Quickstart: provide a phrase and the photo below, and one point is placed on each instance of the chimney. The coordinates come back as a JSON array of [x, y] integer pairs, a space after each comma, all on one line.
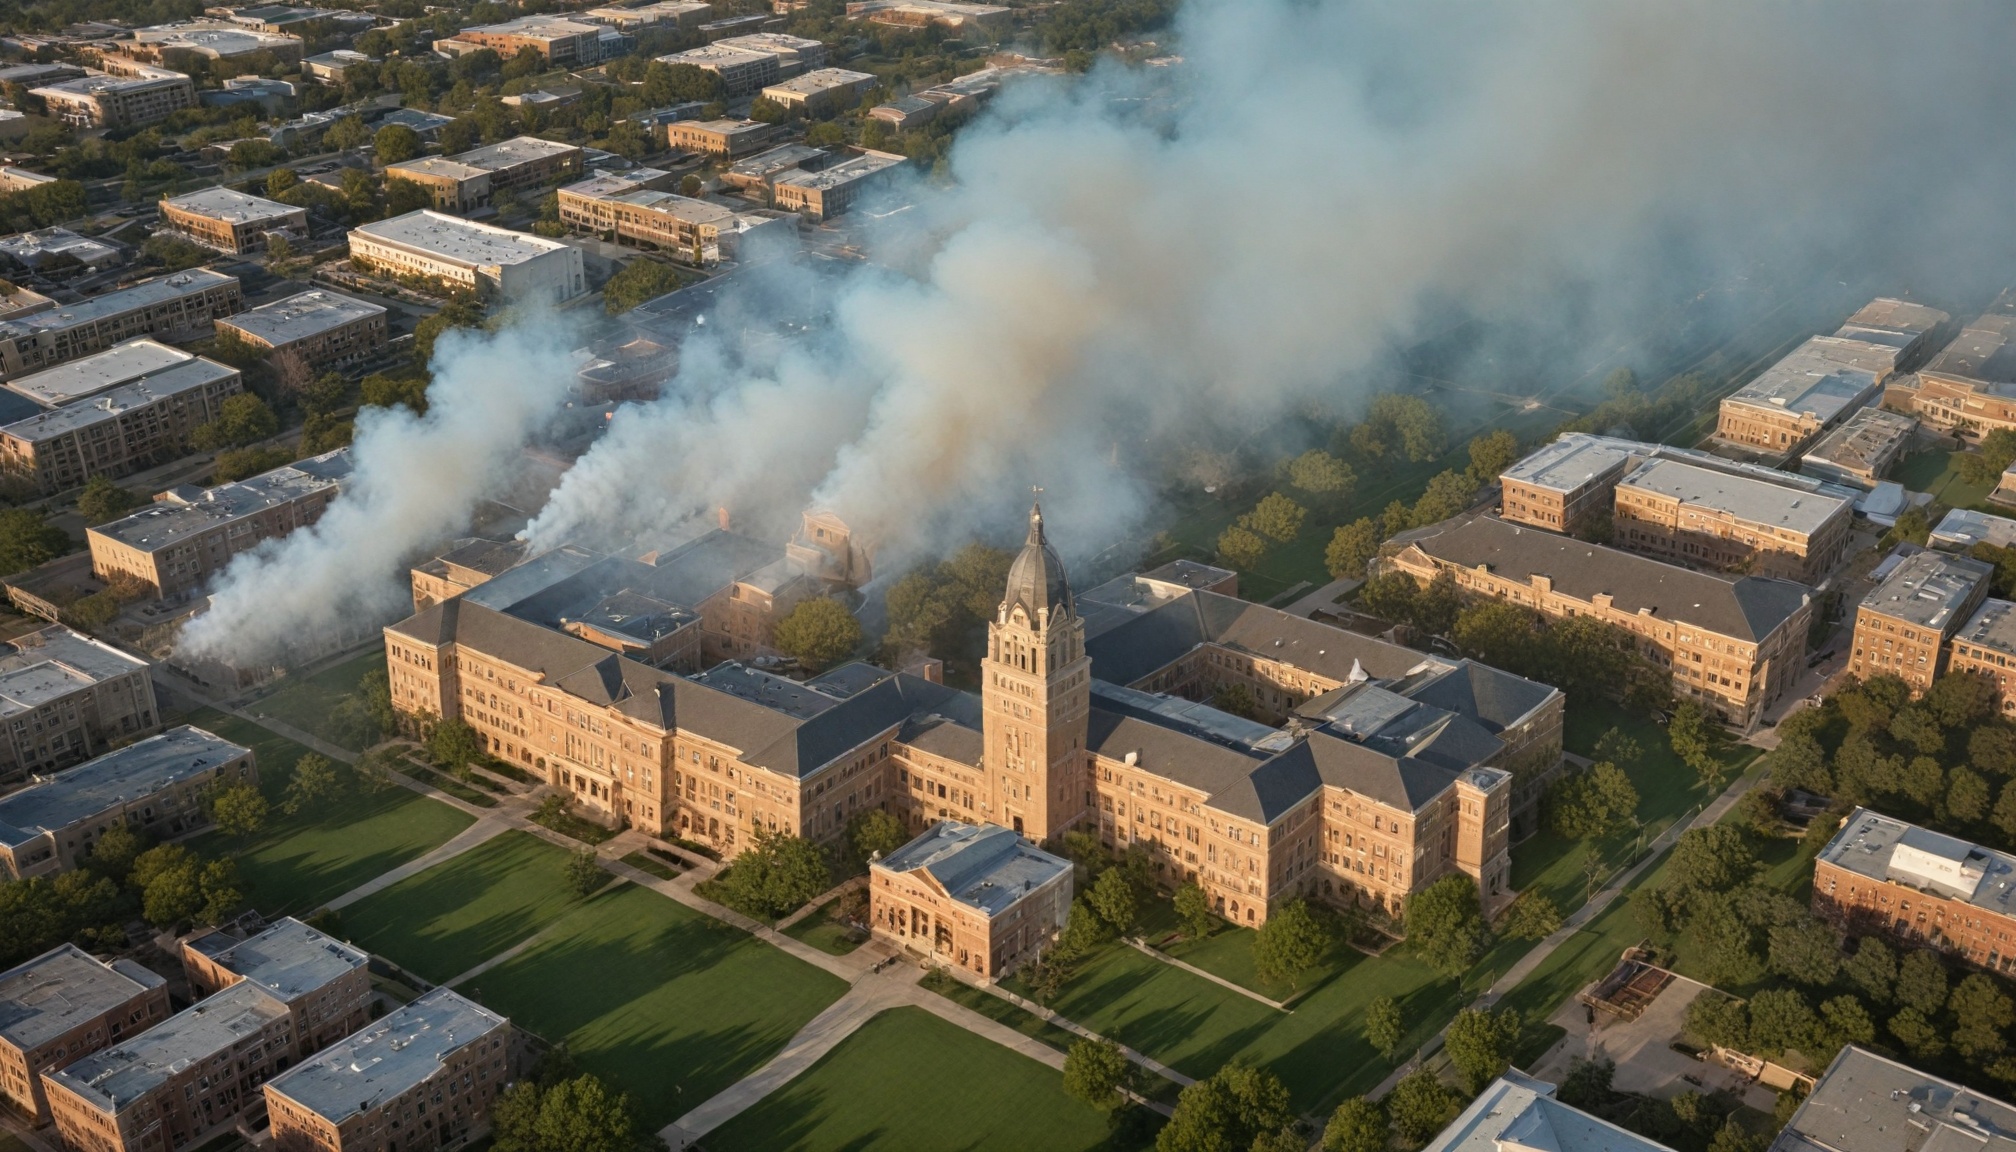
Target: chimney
[[721, 514]]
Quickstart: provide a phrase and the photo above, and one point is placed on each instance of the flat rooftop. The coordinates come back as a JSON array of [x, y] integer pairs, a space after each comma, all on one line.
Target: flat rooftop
[[1863, 440], [728, 127], [1820, 379], [459, 241], [443, 166], [98, 84], [166, 523], [134, 297], [31, 247], [288, 960], [717, 55], [302, 315], [983, 866], [231, 206], [1962, 528], [121, 775], [86, 377], [1889, 314], [1751, 501], [1928, 589], [538, 27], [517, 150], [775, 692], [1983, 353], [773, 160], [1993, 626], [214, 39], [844, 173], [141, 393], [389, 1057], [1886, 849], [822, 80], [47, 666], [1870, 1103], [1572, 462], [679, 207], [118, 1076], [44, 998]]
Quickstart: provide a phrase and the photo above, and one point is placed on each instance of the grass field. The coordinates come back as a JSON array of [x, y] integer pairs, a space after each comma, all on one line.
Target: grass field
[[1939, 474], [306, 703], [300, 862], [825, 933], [461, 912], [909, 1080], [667, 1004]]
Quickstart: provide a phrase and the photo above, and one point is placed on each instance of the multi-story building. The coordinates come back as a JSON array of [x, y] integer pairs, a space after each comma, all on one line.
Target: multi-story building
[[1902, 625], [1986, 645], [157, 785], [330, 67], [183, 306], [975, 895], [1905, 326], [1969, 388], [327, 329], [95, 100], [742, 72], [691, 231], [664, 13], [1734, 644], [905, 112], [1703, 519], [1962, 528], [62, 1006], [465, 254], [121, 410], [830, 191], [562, 41], [1860, 451], [1868, 1101], [758, 174], [821, 91], [219, 46], [324, 982], [461, 568], [1517, 1111], [34, 250], [1923, 889], [65, 698], [795, 54], [729, 138], [919, 13], [1392, 769], [469, 180], [14, 179], [1820, 384], [231, 221], [175, 544], [424, 1076]]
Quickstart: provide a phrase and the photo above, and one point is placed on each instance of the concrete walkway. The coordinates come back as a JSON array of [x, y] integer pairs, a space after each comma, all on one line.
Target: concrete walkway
[[1173, 962], [485, 828], [281, 728], [1073, 1027]]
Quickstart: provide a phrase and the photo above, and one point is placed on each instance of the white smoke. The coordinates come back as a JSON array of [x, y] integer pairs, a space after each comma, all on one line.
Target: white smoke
[[416, 480]]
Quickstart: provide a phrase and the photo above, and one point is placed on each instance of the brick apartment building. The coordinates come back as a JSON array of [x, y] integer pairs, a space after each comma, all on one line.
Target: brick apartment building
[[325, 982], [1705, 519], [1918, 888], [1860, 452], [1400, 767], [423, 1077], [65, 698], [327, 329], [1969, 388], [182, 306], [141, 96], [1734, 644], [1902, 625], [563, 42], [62, 1006], [975, 895], [470, 180], [719, 137], [1819, 385], [231, 221], [832, 190]]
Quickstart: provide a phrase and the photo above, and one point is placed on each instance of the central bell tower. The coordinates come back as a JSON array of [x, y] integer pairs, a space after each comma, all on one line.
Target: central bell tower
[[1036, 696]]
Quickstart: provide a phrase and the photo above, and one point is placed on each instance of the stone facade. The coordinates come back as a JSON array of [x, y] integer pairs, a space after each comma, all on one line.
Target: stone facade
[[1901, 626], [976, 896]]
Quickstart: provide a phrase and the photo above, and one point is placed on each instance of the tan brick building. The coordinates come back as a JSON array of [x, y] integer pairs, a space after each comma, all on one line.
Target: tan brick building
[[1703, 519], [974, 895], [1734, 644], [327, 329], [719, 137], [469, 180], [562, 41], [183, 306], [141, 96], [1986, 645], [743, 71], [423, 1077], [1902, 625], [231, 221], [832, 190], [462, 568], [821, 91], [65, 698], [324, 982], [691, 231], [1860, 452], [61, 1007], [1969, 388], [1819, 385], [1919, 889]]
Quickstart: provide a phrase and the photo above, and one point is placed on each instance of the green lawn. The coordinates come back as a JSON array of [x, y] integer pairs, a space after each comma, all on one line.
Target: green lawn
[[667, 1004], [463, 911], [651, 865], [824, 932], [1938, 473], [306, 703], [300, 862], [908, 1080]]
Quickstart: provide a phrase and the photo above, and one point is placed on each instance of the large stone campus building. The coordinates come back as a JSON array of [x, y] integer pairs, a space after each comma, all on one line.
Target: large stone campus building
[[1372, 771], [1919, 888]]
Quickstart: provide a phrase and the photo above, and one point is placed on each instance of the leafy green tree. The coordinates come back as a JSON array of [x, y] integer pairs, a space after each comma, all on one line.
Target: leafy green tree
[[1966, 795], [1480, 1043], [1921, 982], [1098, 1073], [768, 111], [819, 633], [573, 1115], [639, 280], [1390, 596], [1492, 454], [1732, 1137], [1112, 896], [1588, 1083], [103, 501], [1872, 968], [1320, 474], [1532, 917], [1231, 1109], [238, 810], [395, 143], [1804, 951], [875, 833], [1981, 1013], [345, 134], [1445, 924], [1595, 804], [1352, 546], [1277, 518], [1693, 742], [2004, 816], [1084, 930], [170, 884], [1193, 910], [217, 880], [1843, 1021], [1912, 527], [1291, 943], [1712, 859], [1917, 1033], [1406, 425], [1436, 608], [1448, 493], [1497, 633], [1727, 943], [1713, 1018], [1420, 1105], [454, 745], [113, 854], [1358, 1125], [1241, 547], [1780, 1021], [585, 876], [315, 783], [777, 874], [1384, 1029], [241, 420], [27, 540]]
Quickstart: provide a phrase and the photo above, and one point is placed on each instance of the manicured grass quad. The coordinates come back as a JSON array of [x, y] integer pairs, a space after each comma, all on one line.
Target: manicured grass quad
[[307, 702]]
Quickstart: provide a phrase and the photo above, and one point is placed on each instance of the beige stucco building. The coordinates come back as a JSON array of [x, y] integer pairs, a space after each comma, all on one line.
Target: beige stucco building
[[465, 254]]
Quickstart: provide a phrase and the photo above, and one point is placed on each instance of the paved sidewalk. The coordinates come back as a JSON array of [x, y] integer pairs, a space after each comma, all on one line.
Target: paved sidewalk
[[1073, 1027], [485, 828], [1173, 962], [280, 727]]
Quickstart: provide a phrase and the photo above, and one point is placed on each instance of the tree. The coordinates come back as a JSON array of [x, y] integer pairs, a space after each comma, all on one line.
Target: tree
[[1319, 473], [1532, 917], [171, 888], [1084, 930], [1291, 943], [1436, 608], [640, 280], [1479, 1043], [1403, 424], [1234, 1107], [1981, 1013], [1420, 1106], [767, 111], [1390, 596], [1193, 910], [238, 809], [1358, 1125], [778, 873], [314, 783], [1712, 859], [1921, 982], [1241, 547], [1384, 1029], [1912, 527], [1098, 1073], [217, 880], [1491, 454], [1112, 897], [1595, 804], [395, 143], [1780, 1021], [1873, 968], [345, 134], [1588, 1083], [241, 420], [1724, 1021], [1277, 518], [1804, 950], [454, 745], [1966, 795], [1497, 633], [117, 847], [584, 873], [1843, 1021], [875, 833], [1352, 546], [1445, 924], [27, 540], [573, 1115], [1694, 743], [1448, 493], [1917, 1033], [819, 633], [103, 501]]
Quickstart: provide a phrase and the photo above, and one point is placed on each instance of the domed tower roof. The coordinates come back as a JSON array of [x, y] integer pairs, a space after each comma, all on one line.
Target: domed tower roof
[[1036, 579]]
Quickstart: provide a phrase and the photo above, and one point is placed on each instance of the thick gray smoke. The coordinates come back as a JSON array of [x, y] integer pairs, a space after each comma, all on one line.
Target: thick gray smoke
[[415, 481]]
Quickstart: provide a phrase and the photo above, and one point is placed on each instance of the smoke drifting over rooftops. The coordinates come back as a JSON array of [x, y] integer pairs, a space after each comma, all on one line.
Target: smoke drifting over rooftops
[[1133, 259]]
